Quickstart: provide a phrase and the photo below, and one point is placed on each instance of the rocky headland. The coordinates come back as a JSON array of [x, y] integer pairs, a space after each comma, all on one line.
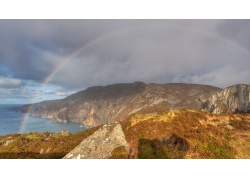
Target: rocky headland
[[101, 105], [138, 120]]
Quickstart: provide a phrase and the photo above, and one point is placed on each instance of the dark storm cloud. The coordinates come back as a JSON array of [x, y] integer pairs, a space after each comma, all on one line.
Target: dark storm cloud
[[214, 52], [161, 52], [25, 44]]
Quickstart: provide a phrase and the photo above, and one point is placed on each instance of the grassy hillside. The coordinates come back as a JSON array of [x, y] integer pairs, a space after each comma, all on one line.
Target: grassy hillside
[[41, 145], [167, 134], [188, 134]]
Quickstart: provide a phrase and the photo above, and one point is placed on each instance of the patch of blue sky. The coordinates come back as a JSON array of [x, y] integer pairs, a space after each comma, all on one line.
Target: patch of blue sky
[[4, 71]]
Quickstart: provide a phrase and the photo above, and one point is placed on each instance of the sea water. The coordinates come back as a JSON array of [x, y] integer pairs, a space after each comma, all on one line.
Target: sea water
[[11, 122]]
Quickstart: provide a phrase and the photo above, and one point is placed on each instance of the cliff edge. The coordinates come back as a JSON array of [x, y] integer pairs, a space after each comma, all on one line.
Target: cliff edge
[[235, 99]]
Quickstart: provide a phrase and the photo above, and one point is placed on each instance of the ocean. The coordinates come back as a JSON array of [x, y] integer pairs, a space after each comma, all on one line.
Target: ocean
[[11, 122]]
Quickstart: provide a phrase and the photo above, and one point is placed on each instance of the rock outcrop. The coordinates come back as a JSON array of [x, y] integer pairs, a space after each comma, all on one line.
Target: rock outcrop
[[6, 141], [159, 97], [234, 99], [64, 133], [100, 144]]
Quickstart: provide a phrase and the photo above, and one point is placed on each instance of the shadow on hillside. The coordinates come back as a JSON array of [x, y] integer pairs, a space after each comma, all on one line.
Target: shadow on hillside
[[173, 148], [31, 155]]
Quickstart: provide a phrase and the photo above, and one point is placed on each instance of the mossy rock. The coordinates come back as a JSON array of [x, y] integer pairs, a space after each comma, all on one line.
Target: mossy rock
[[119, 153]]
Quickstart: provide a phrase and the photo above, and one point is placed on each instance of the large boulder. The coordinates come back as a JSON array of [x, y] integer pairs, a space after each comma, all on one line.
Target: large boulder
[[100, 144]]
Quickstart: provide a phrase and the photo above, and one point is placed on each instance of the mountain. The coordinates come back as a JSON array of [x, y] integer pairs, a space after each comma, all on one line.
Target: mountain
[[93, 106], [101, 105]]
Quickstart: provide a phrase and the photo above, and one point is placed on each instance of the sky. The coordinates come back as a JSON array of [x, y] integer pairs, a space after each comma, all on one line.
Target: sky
[[51, 59]]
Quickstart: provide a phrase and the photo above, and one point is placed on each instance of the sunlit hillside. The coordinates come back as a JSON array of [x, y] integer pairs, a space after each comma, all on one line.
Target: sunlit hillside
[[167, 134]]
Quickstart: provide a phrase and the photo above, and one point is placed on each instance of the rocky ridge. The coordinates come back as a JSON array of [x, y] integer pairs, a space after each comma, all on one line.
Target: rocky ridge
[[101, 105]]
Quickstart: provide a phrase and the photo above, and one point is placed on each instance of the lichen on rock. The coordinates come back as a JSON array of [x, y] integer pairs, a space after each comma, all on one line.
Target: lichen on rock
[[101, 144]]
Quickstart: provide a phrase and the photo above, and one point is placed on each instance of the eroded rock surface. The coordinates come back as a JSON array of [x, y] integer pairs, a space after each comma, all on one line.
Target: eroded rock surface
[[158, 97], [234, 99], [100, 144]]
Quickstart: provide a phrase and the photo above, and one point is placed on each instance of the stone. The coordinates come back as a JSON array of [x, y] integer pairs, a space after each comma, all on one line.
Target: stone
[[234, 99], [46, 139], [100, 144], [229, 126], [63, 132], [7, 141]]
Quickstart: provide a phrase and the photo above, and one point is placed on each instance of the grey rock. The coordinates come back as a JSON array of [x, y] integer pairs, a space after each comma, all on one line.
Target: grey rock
[[46, 139], [63, 132], [6, 141], [234, 98], [229, 126], [100, 144]]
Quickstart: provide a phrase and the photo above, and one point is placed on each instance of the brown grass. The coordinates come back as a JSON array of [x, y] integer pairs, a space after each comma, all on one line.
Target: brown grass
[[36, 146], [166, 134], [205, 135]]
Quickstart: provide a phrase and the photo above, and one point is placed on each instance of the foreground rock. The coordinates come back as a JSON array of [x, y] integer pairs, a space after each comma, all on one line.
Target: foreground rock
[[101, 144], [234, 99]]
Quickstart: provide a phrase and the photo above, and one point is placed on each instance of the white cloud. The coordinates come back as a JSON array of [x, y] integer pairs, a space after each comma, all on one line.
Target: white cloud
[[9, 83], [222, 77]]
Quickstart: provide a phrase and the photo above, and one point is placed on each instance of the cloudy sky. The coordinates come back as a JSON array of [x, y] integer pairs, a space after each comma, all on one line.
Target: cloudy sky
[[50, 59]]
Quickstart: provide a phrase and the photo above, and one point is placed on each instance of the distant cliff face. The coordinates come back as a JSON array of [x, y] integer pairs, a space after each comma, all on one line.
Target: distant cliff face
[[102, 105], [234, 98], [93, 106], [159, 97]]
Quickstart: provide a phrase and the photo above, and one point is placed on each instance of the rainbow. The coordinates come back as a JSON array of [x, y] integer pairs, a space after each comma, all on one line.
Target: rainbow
[[113, 33], [64, 61]]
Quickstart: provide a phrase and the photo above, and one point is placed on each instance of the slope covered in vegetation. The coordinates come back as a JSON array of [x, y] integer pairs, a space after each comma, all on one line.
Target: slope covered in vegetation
[[167, 134], [188, 134], [41, 145]]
